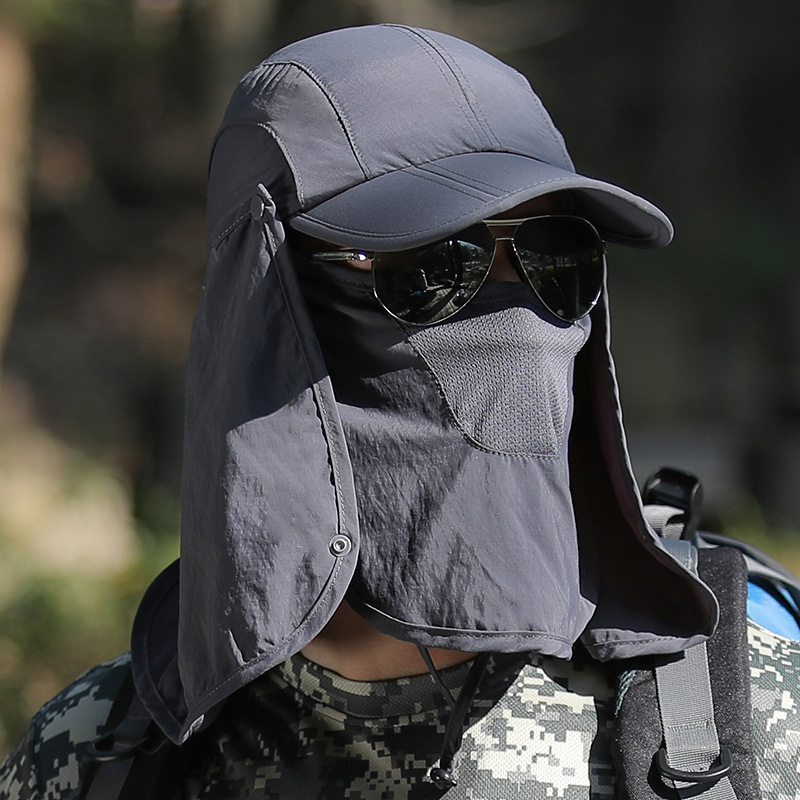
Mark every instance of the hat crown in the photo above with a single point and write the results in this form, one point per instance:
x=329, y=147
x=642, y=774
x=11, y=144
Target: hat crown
x=350, y=105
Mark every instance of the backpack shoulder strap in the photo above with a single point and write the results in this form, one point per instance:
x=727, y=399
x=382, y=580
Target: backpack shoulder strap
x=683, y=720
x=113, y=753
x=132, y=759
x=691, y=760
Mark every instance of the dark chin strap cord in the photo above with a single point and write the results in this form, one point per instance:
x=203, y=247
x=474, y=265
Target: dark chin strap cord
x=441, y=775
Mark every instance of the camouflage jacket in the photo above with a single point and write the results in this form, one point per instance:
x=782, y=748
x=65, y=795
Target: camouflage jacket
x=539, y=728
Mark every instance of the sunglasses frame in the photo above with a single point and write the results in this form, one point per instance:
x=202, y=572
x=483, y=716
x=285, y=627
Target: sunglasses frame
x=362, y=260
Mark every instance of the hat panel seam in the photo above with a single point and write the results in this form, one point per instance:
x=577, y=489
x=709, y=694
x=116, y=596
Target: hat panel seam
x=475, y=120
x=429, y=177
x=341, y=116
x=260, y=73
x=551, y=127
x=476, y=182
x=463, y=84
x=298, y=180
x=425, y=167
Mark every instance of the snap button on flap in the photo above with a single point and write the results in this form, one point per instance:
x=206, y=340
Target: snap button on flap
x=340, y=545
x=257, y=207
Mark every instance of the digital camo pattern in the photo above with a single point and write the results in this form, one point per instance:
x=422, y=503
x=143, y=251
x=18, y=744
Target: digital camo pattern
x=775, y=678
x=549, y=737
x=538, y=729
x=45, y=764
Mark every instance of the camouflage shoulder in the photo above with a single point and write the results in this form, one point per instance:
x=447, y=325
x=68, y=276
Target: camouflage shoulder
x=46, y=763
x=775, y=697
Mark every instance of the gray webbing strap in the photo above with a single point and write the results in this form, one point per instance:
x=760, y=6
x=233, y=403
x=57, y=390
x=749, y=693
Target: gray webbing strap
x=666, y=521
x=691, y=744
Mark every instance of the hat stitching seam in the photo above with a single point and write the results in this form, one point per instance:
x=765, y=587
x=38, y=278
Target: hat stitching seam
x=280, y=75
x=551, y=127
x=432, y=170
x=232, y=227
x=463, y=84
x=426, y=166
x=261, y=657
x=480, y=116
x=432, y=177
x=333, y=227
x=462, y=97
x=445, y=632
x=340, y=115
x=298, y=181
x=328, y=418
x=456, y=175
x=426, y=173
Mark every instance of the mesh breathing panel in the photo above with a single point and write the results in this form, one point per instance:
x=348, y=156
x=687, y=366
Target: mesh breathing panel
x=506, y=377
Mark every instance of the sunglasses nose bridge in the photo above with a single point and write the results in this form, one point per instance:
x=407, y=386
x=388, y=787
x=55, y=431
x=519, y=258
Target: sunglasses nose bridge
x=505, y=264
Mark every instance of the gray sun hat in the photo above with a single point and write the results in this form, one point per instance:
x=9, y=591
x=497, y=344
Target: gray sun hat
x=396, y=137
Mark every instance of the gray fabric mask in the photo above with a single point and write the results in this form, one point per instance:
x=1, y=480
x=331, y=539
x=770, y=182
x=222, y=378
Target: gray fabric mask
x=444, y=424
x=323, y=457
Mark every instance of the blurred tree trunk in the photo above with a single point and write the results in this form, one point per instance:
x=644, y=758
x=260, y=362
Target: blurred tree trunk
x=16, y=89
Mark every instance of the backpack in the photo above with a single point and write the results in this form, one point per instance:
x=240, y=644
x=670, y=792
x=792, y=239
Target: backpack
x=685, y=722
x=684, y=725
x=133, y=759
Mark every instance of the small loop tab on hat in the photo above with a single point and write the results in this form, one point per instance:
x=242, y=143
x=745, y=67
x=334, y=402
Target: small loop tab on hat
x=257, y=207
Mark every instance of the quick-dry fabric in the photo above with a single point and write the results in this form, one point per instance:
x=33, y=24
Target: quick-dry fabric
x=269, y=483
x=450, y=522
x=262, y=567
x=399, y=136
x=270, y=524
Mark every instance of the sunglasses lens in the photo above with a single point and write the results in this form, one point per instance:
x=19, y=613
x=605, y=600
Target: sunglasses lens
x=430, y=283
x=564, y=259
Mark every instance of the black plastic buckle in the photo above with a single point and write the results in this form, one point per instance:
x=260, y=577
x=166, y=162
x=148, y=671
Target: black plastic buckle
x=719, y=769
x=670, y=486
x=103, y=748
x=442, y=779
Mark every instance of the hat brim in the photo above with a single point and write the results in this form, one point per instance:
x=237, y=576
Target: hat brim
x=420, y=204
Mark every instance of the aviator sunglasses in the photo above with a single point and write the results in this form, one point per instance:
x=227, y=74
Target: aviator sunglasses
x=562, y=258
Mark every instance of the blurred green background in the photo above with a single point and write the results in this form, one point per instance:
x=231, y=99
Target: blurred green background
x=107, y=109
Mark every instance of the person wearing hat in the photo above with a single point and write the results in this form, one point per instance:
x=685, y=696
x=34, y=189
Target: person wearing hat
x=411, y=536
